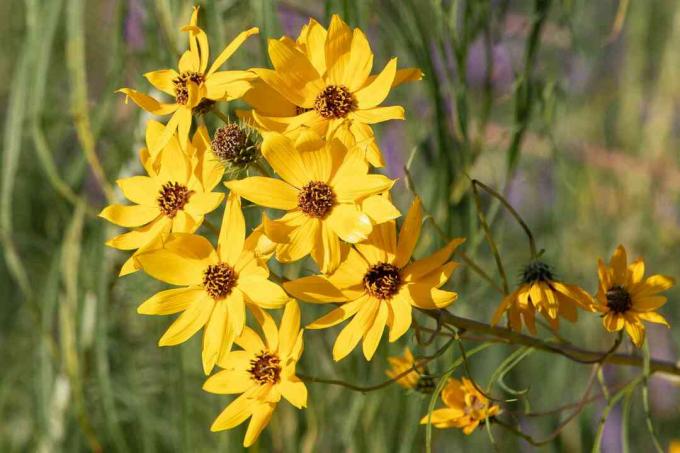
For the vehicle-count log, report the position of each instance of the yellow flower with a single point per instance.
(323, 82)
(195, 87)
(262, 373)
(674, 446)
(415, 379)
(466, 407)
(174, 197)
(217, 285)
(378, 286)
(626, 298)
(541, 292)
(328, 197)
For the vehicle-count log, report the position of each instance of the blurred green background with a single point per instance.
(570, 107)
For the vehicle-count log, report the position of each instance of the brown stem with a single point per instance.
(569, 351)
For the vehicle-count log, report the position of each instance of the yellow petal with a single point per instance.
(262, 292)
(338, 40)
(348, 222)
(170, 301)
(285, 159)
(202, 203)
(188, 323)
(613, 322)
(648, 303)
(262, 413)
(175, 166)
(375, 93)
(282, 230)
(296, 70)
(327, 250)
(163, 80)
(266, 322)
(636, 270)
(295, 392)
(655, 284)
(401, 316)
(375, 331)
(141, 236)
(289, 329)
(213, 336)
(380, 209)
(273, 80)
(350, 336)
(378, 114)
(231, 48)
(428, 298)
(189, 62)
(426, 265)
(409, 233)
(233, 231)
(172, 268)
(301, 242)
(360, 61)
(636, 333)
(250, 341)
(191, 246)
(129, 216)
(654, 317)
(619, 266)
(339, 314)
(349, 275)
(227, 382)
(604, 275)
(234, 414)
(380, 245)
(269, 192)
(357, 187)
(314, 289)
(147, 102)
(140, 189)
(236, 308)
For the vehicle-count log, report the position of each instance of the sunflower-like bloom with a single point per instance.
(541, 292)
(626, 298)
(416, 379)
(194, 87)
(378, 287)
(323, 82)
(466, 407)
(174, 197)
(262, 373)
(217, 285)
(328, 195)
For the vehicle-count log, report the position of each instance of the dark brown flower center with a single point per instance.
(335, 101)
(382, 280)
(232, 144)
(265, 368)
(172, 198)
(537, 271)
(316, 199)
(181, 89)
(219, 279)
(618, 299)
(203, 107)
(300, 110)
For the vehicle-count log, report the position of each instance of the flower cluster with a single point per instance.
(307, 149)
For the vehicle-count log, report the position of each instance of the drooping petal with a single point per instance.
(348, 222)
(262, 413)
(375, 331)
(189, 322)
(234, 414)
(214, 336)
(350, 336)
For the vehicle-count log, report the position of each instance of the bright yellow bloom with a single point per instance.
(626, 298)
(217, 285)
(674, 446)
(541, 292)
(328, 197)
(174, 197)
(195, 87)
(416, 379)
(323, 82)
(466, 407)
(378, 286)
(262, 373)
